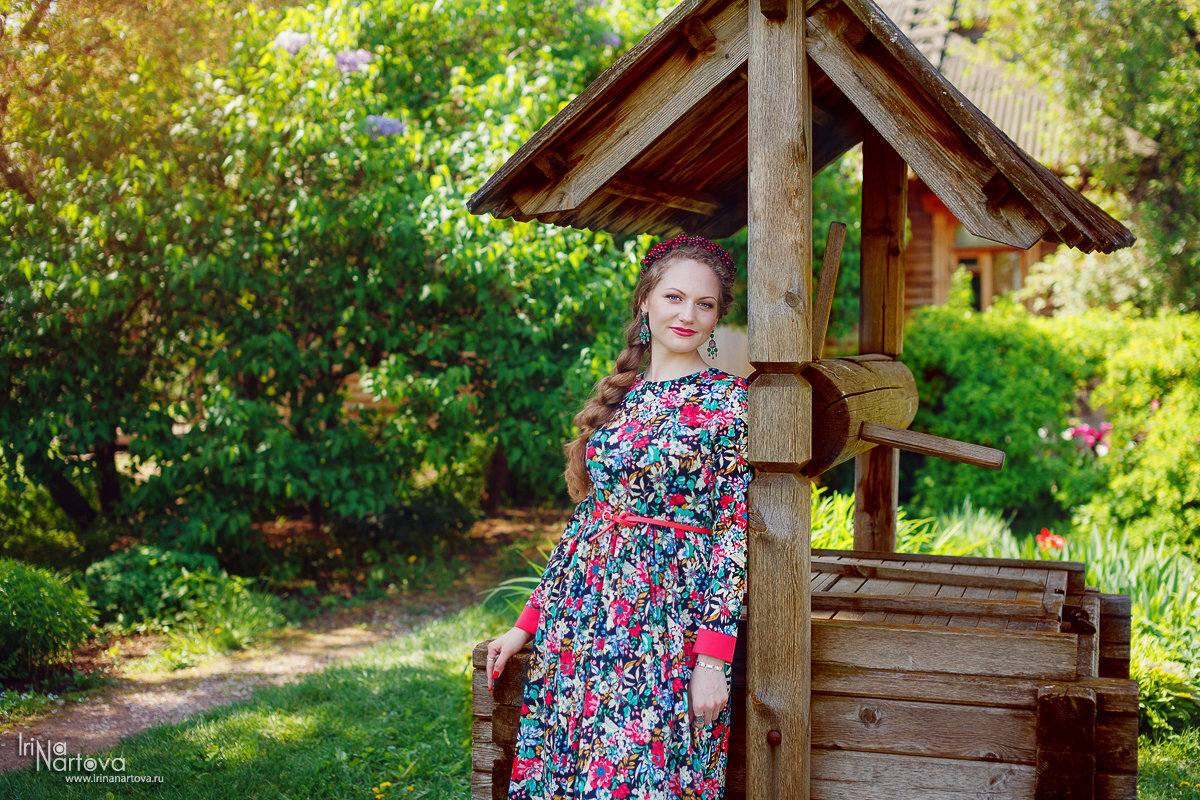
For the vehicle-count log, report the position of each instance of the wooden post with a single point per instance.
(880, 328)
(778, 734)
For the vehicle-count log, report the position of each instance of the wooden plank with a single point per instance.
(869, 776)
(884, 212)
(1071, 567)
(920, 130)
(1089, 644)
(915, 574)
(880, 327)
(633, 120)
(885, 602)
(963, 651)
(779, 157)
(1116, 787)
(913, 589)
(1072, 218)
(944, 730)
(1066, 743)
(830, 264)
(605, 90)
(1117, 743)
(779, 640)
(929, 445)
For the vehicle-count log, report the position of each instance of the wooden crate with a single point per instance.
(936, 677)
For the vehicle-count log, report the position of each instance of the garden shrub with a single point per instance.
(145, 583)
(42, 618)
(1000, 379)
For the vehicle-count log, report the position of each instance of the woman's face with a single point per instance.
(683, 307)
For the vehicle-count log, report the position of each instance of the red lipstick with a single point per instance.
(684, 331)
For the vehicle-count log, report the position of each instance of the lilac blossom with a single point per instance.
(379, 125)
(611, 39)
(292, 42)
(352, 60)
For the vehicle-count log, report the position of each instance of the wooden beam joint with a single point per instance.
(774, 10)
(699, 36)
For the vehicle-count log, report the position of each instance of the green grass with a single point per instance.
(1170, 769)
(399, 714)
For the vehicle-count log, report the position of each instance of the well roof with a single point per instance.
(657, 143)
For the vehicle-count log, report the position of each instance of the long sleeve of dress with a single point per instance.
(731, 473)
(559, 559)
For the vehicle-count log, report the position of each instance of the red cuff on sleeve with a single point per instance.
(528, 621)
(714, 643)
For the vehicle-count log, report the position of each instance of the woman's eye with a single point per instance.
(672, 297)
(706, 306)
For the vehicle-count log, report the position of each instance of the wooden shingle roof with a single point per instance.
(657, 143)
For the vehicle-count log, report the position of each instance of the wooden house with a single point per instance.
(864, 673)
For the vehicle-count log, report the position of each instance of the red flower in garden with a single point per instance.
(1047, 540)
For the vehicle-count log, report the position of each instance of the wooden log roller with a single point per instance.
(866, 400)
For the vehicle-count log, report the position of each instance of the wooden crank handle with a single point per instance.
(930, 445)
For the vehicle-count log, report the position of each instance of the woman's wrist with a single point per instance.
(712, 662)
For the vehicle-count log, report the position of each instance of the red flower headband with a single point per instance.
(662, 248)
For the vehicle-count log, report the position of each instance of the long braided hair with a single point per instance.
(612, 388)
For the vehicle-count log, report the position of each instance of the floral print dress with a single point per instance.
(624, 607)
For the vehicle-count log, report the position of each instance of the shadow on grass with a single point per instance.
(399, 715)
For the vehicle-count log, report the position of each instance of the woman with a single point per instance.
(635, 618)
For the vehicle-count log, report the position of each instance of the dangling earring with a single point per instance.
(644, 331)
(712, 345)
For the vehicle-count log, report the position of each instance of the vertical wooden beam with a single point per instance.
(779, 153)
(880, 328)
(1066, 743)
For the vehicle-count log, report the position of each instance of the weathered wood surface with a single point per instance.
(641, 115)
(847, 393)
(1114, 635)
(1013, 168)
(1066, 743)
(880, 330)
(975, 720)
(918, 575)
(779, 158)
(950, 606)
(962, 651)
(926, 444)
(1074, 569)
(830, 264)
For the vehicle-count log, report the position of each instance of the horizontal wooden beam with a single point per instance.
(962, 651)
(915, 575)
(636, 187)
(927, 444)
(932, 606)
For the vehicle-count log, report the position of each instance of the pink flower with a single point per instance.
(1154, 404)
(601, 773)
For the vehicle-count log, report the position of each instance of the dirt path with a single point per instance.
(140, 700)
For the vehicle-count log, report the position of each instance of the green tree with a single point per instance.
(1127, 75)
(297, 216)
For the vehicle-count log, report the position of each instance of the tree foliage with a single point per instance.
(1127, 75)
(280, 217)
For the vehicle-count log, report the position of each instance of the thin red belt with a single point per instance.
(624, 518)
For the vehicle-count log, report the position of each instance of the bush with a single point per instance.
(42, 618)
(1001, 379)
(147, 584)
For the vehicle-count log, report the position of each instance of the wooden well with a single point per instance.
(929, 678)
(933, 677)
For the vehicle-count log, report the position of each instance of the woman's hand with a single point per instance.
(500, 648)
(708, 691)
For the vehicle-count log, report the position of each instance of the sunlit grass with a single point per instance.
(398, 714)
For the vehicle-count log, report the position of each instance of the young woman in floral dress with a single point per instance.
(635, 618)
